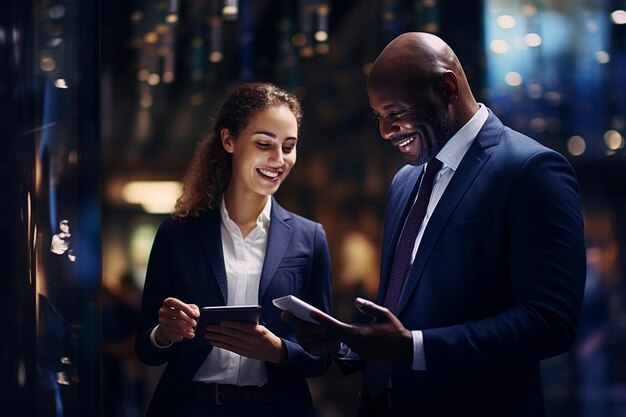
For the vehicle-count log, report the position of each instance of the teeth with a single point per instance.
(406, 142)
(268, 173)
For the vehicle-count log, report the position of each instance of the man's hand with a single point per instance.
(313, 338)
(176, 321)
(384, 338)
(250, 340)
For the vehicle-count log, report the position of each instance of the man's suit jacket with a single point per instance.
(497, 281)
(187, 262)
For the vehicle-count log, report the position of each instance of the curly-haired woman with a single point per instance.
(230, 243)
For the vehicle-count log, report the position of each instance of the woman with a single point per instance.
(230, 243)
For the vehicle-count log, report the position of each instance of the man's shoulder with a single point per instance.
(499, 138)
(521, 146)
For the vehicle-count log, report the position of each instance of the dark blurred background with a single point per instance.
(103, 103)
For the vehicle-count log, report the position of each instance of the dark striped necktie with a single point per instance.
(377, 371)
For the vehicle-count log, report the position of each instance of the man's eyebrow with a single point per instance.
(389, 108)
(395, 106)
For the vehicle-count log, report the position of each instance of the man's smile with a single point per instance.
(406, 142)
(403, 141)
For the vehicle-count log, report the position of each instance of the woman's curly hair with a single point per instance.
(211, 167)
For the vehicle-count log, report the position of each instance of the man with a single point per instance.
(493, 277)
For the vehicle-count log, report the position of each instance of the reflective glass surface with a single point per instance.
(50, 216)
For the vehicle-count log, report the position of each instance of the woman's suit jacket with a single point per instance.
(497, 281)
(187, 262)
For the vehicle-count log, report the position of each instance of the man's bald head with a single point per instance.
(418, 90)
(414, 60)
(422, 53)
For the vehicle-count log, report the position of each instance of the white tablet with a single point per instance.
(296, 306)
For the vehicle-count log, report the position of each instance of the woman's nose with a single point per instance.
(277, 157)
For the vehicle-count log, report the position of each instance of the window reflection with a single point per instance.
(49, 207)
(61, 241)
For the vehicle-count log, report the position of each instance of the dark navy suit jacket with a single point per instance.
(497, 281)
(187, 262)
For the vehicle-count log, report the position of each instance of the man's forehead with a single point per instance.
(393, 95)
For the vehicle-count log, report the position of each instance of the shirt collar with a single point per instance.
(454, 150)
(264, 217)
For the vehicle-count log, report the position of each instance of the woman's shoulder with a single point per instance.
(294, 219)
(176, 223)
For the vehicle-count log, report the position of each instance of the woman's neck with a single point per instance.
(244, 209)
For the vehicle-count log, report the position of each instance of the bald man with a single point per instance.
(492, 280)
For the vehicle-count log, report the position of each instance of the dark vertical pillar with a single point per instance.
(18, 365)
(88, 150)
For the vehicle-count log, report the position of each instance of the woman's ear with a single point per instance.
(227, 140)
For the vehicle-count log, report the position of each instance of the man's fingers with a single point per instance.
(330, 323)
(380, 313)
(311, 330)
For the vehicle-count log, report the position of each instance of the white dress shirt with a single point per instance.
(243, 259)
(451, 156)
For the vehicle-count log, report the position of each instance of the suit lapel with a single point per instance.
(211, 237)
(468, 170)
(277, 244)
(402, 208)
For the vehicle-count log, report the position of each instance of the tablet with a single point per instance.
(215, 314)
(296, 306)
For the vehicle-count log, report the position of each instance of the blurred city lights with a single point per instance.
(576, 145)
(613, 140)
(513, 78)
(603, 57)
(506, 21)
(619, 17)
(532, 39)
(498, 46)
(153, 196)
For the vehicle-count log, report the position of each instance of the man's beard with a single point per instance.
(440, 123)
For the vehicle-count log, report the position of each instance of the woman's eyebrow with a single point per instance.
(273, 136)
(263, 132)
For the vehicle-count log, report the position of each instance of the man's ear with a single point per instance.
(449, 85)
(227, 140)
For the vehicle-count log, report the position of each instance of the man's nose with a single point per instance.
(388, 128)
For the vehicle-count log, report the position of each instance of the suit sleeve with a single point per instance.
(319, 295)
(156, 289)
(545, 269)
